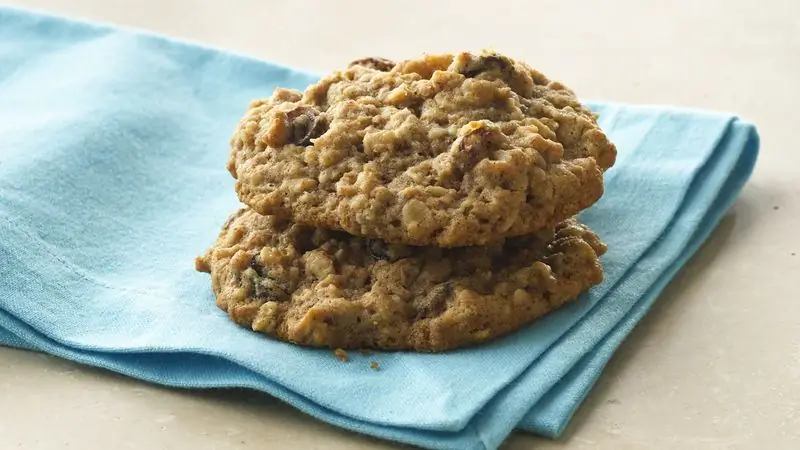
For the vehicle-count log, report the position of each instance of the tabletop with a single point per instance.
(716, 363)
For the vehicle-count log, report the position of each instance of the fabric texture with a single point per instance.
(113, 146)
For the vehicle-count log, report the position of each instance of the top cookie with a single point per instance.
(444, 150)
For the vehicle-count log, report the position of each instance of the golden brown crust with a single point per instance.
(445, 150)
(319, 287)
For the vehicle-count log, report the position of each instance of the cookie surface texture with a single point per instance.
(444, 150)
(325, 288)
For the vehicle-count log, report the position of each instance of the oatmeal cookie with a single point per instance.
(325, 288)
(445, 150)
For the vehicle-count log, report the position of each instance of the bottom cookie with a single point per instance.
(325, 288)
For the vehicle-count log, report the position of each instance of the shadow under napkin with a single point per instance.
(112, 179)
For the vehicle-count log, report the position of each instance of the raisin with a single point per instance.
(380, 250)
(474, 147)
(377, 249)
(494, 67)
(305, 124)
(488, 63)
(380, 64)
(267, 287)
(303, 239)
(435, 302)
(254, 264)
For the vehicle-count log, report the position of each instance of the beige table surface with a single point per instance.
(716, 364)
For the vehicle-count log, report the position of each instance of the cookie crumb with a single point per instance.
(374, 365)
(341, 355)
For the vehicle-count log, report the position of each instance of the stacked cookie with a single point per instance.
(423, 205)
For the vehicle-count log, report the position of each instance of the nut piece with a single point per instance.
(267, 318)
(319, 264)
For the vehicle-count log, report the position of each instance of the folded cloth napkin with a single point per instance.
(112, 179)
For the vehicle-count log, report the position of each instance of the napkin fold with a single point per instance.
(112, 179)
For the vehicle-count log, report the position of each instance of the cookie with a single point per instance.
(324, 288)
(444, 150)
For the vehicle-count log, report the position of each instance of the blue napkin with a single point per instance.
(112, 179)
